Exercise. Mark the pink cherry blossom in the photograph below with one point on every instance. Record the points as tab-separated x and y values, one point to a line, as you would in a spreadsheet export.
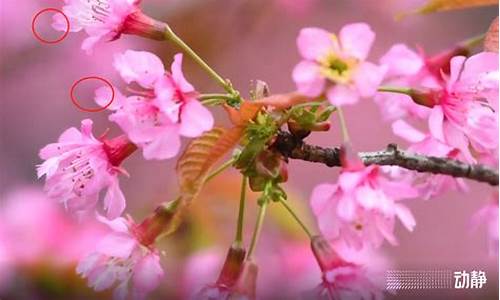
335	66
488	216
341	279
106	20
463	115
428	185
362	206
167	109
407	68
121	260
78	167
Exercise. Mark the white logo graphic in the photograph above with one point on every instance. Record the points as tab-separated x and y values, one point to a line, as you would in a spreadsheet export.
472	280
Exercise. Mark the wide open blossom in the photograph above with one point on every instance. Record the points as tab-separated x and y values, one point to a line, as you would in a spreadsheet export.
341	279
79	166
465	113
122	258
362	206
335	66
166	110
106	20
428	185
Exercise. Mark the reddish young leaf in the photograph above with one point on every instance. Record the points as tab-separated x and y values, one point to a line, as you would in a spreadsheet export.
491	38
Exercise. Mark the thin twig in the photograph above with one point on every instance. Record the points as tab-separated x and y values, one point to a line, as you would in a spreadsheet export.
292	147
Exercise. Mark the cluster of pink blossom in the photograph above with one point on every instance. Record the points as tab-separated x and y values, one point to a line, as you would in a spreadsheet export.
164	111
79	166
362	207
122	257
457	96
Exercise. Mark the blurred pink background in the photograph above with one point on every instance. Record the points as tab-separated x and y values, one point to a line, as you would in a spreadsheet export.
243	40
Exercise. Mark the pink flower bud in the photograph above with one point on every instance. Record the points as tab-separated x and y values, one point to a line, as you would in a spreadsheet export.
232	266
325	255
140	24
149	229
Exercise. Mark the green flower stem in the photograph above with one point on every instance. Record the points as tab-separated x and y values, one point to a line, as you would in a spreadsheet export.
257	229
170	35
241	213
296	217
343	125
203	97
395	89
209	102
292	109
220	169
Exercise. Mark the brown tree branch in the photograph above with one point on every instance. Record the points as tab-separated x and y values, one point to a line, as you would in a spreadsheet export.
293	147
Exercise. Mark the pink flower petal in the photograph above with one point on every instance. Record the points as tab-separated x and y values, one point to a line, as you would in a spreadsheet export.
402	129
165	146
356	39
346	208
104	96
348	181
320	196
89	43
60	23
143	67
88	263
314	43
455	137
178	76
405	216
402	61
117	245
483	62
482	126
436	119
48	167
147	274
397	190
195	119
456	68
386	228
117	225
70	135
367	197
114	201
102	278
308	79
340	95
368	78
86	130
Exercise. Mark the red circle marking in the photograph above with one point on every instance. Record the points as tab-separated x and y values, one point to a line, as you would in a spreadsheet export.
38	37
75	100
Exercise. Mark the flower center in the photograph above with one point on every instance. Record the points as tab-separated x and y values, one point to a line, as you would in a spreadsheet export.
80	172
336	68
